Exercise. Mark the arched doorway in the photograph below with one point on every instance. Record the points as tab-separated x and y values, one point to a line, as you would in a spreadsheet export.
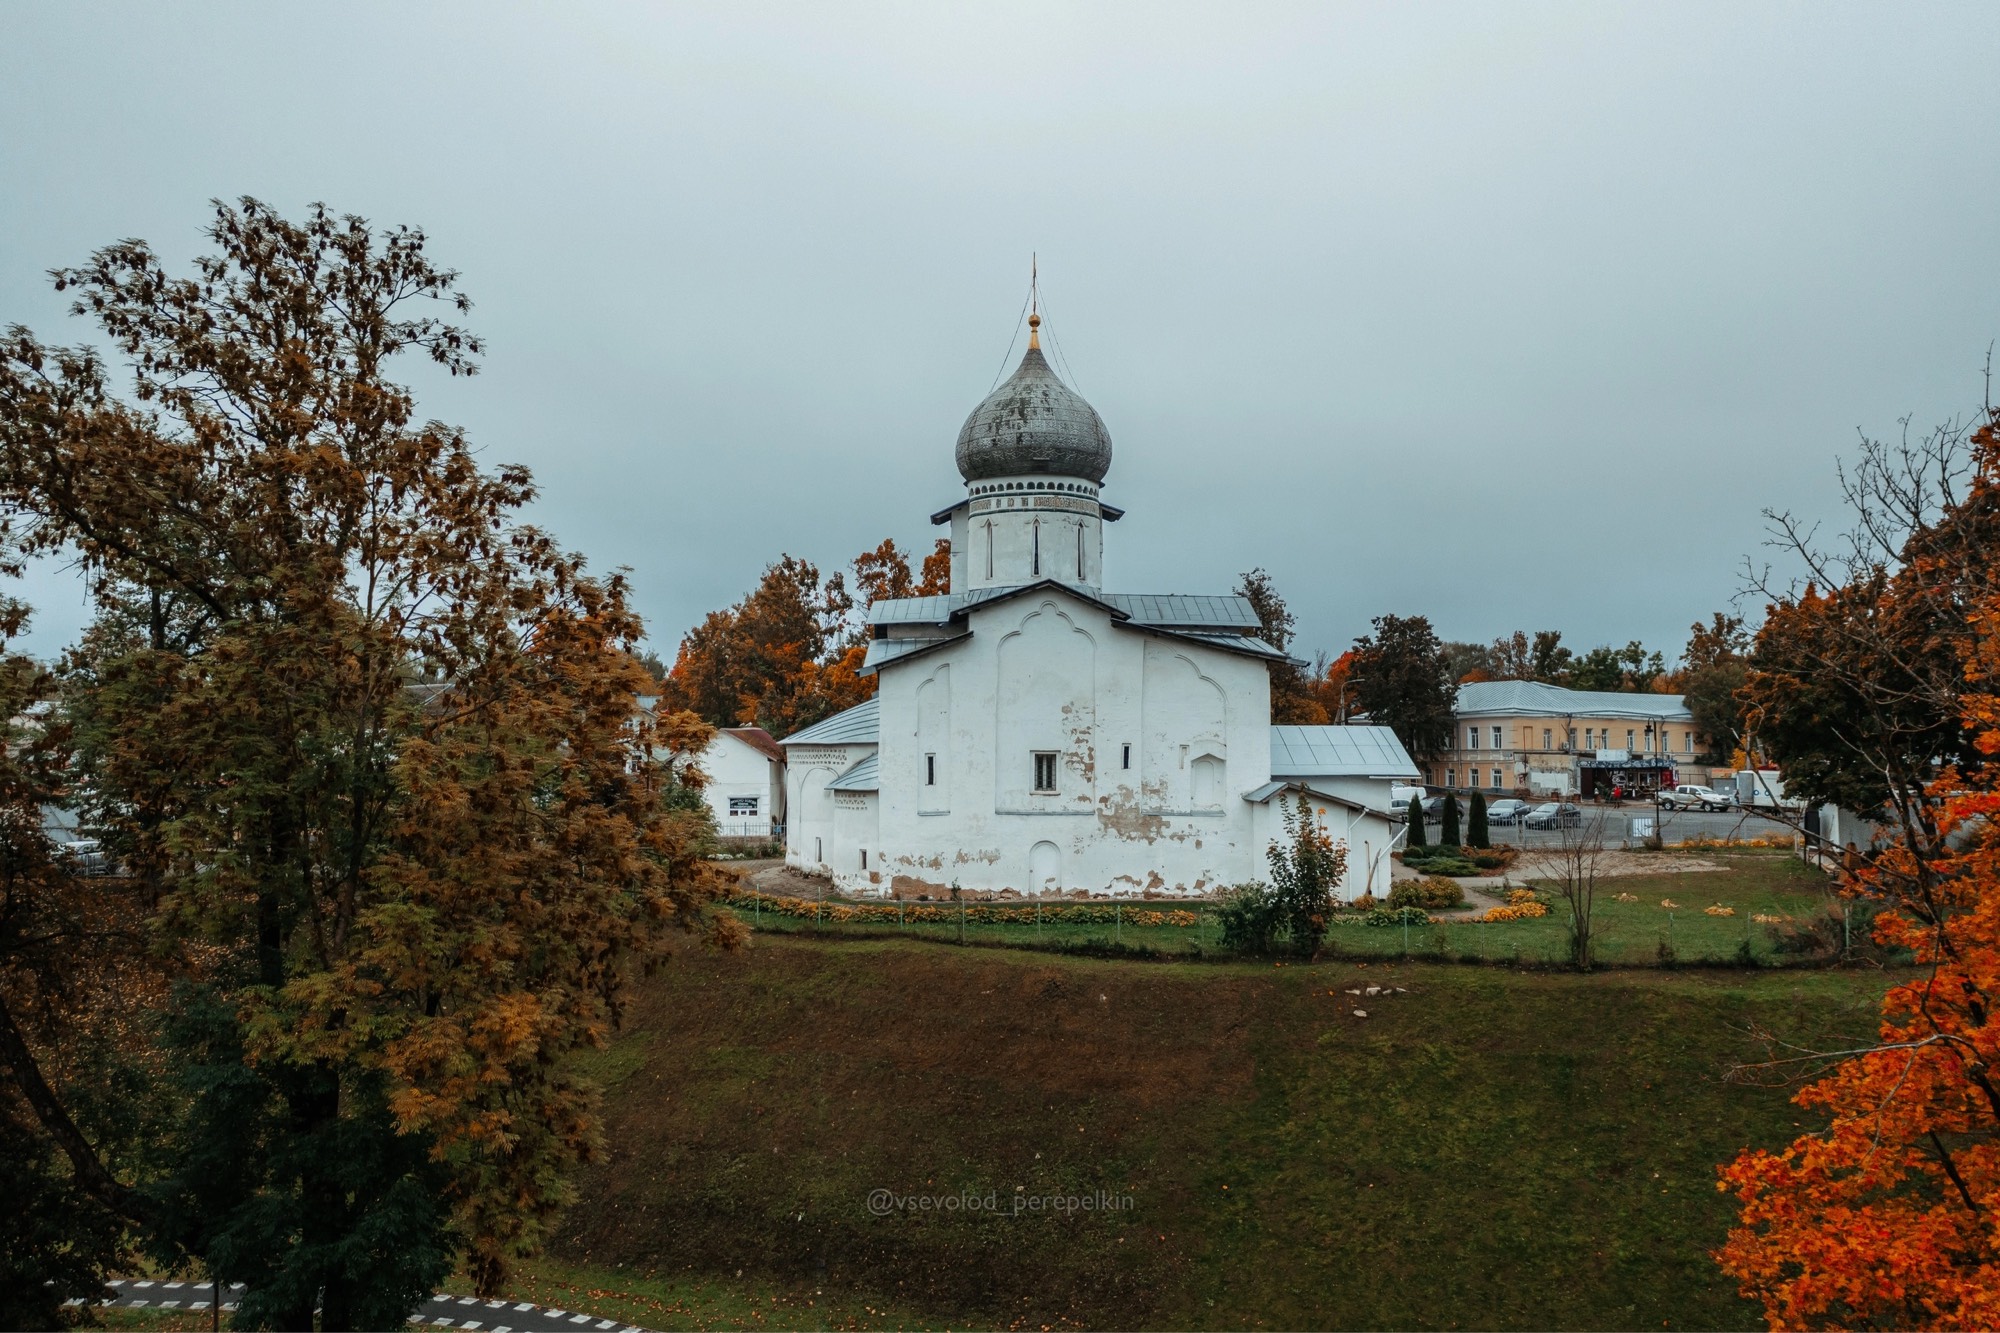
1045	868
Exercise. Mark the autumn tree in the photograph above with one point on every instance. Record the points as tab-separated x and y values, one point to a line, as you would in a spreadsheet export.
1628	670
1293	697
1884	1217
790	653
370	751
74	996
1714	667
1468	662
1331	685
1401	680
1548	659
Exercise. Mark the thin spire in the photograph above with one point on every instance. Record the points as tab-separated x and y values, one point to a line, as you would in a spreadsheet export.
1034	303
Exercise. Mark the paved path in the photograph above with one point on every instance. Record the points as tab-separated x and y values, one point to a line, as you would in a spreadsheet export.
466	1312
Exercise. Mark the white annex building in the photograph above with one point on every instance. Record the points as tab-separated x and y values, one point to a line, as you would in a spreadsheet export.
746	782
1034	733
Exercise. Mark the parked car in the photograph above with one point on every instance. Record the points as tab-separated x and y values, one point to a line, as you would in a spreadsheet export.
1550	814
1688	797
1508	811
87	855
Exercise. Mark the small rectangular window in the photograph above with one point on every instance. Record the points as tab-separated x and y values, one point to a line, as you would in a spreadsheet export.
743	807
1687	742
1045	771
1628	738
1451	777
864	858
1496	739
1496	779
1547	736
1125	757
1472	738
930	770
1589	738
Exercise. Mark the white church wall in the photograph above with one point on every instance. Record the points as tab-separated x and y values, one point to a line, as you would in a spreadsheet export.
1052	673
1017	536
812	839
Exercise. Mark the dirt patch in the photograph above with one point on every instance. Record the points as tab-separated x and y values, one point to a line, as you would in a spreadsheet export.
1538	864
783	881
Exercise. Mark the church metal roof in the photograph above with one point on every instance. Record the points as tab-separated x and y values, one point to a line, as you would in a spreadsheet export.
1034	423
1184	611
1339	752
859	725
881	652
1165	610
864	776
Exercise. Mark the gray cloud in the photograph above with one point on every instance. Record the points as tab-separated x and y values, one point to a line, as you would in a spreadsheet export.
1512	315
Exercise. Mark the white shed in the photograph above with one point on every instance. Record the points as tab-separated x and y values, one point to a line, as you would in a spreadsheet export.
745	769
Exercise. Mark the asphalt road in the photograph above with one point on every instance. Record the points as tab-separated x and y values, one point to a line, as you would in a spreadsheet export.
442	1311
1615	821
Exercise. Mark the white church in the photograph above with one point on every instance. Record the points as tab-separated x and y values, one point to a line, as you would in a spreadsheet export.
1036	735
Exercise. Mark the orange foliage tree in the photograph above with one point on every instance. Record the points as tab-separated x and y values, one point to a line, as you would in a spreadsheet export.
1890	1215
790	654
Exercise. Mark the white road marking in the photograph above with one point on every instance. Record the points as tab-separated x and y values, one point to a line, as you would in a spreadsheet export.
524	1305
470	1323
468	1300
175	1286
579	1319
609	1323
197	1305
137	1304
146	1283
168	1305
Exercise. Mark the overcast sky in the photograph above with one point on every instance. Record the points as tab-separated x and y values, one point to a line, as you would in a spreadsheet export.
1515	316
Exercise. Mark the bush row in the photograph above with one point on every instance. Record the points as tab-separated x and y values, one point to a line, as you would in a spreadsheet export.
982	913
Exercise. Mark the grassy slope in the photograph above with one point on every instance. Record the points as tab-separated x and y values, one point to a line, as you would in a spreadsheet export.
1493	1149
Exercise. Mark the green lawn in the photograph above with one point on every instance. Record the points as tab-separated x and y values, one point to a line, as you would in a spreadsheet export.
1491	1148
1628	934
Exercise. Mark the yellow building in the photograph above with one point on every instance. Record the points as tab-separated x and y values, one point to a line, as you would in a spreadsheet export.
1531	739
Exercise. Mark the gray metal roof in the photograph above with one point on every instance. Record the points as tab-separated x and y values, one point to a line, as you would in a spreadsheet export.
862	777
1168	610
1339	752
1229	643
1264	793
881	652
1185	611
1034	423
859	725
1533	698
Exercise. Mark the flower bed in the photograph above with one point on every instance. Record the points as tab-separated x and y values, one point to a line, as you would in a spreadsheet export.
980	913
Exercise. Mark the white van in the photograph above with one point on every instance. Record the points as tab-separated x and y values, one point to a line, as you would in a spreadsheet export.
1399	799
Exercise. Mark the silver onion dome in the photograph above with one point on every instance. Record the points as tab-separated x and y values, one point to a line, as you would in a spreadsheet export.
1034	423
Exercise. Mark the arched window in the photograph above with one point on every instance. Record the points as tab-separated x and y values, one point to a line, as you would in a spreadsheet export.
1035	536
